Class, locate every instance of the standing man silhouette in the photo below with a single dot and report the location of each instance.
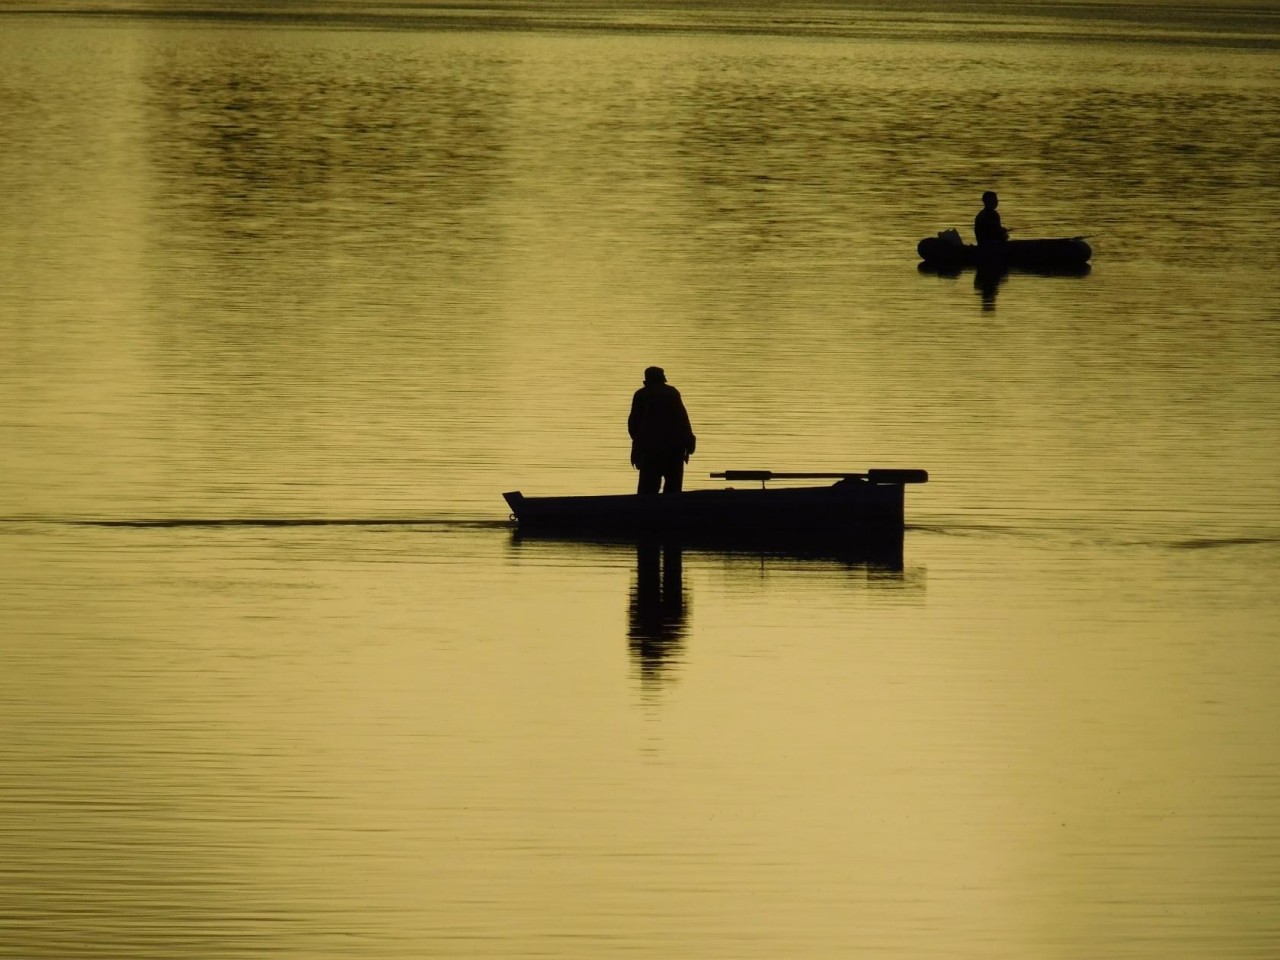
(661, 438)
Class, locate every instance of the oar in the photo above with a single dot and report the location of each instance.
(1047, 233)
(871, 476)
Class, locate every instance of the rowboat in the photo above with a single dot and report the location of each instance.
(1061, 253)
(857, 509)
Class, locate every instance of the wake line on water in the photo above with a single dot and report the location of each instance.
(995, 531)
(973, 530)
(1094, 537)
(1219, 543)
(164, 522)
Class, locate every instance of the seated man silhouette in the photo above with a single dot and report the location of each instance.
(661, 438)
(987, 229)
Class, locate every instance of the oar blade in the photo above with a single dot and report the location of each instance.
(898, 476)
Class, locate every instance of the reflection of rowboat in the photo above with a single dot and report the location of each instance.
(859, 509)
(1062, 253)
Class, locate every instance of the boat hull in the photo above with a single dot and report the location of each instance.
(1063, 253)
(850, 513)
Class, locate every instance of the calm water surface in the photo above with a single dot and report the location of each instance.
(290, 301)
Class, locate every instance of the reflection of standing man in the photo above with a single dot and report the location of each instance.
(661, 438)
(657, 622)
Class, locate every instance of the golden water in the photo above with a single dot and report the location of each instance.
(289, 303)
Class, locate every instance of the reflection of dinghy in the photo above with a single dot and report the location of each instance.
(1062, 253)
(859, 509)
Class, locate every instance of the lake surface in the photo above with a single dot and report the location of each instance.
(293, 294)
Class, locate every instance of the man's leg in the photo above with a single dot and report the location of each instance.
(674, 474)
(650, 478)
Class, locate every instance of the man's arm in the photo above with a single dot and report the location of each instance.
(633, 418)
